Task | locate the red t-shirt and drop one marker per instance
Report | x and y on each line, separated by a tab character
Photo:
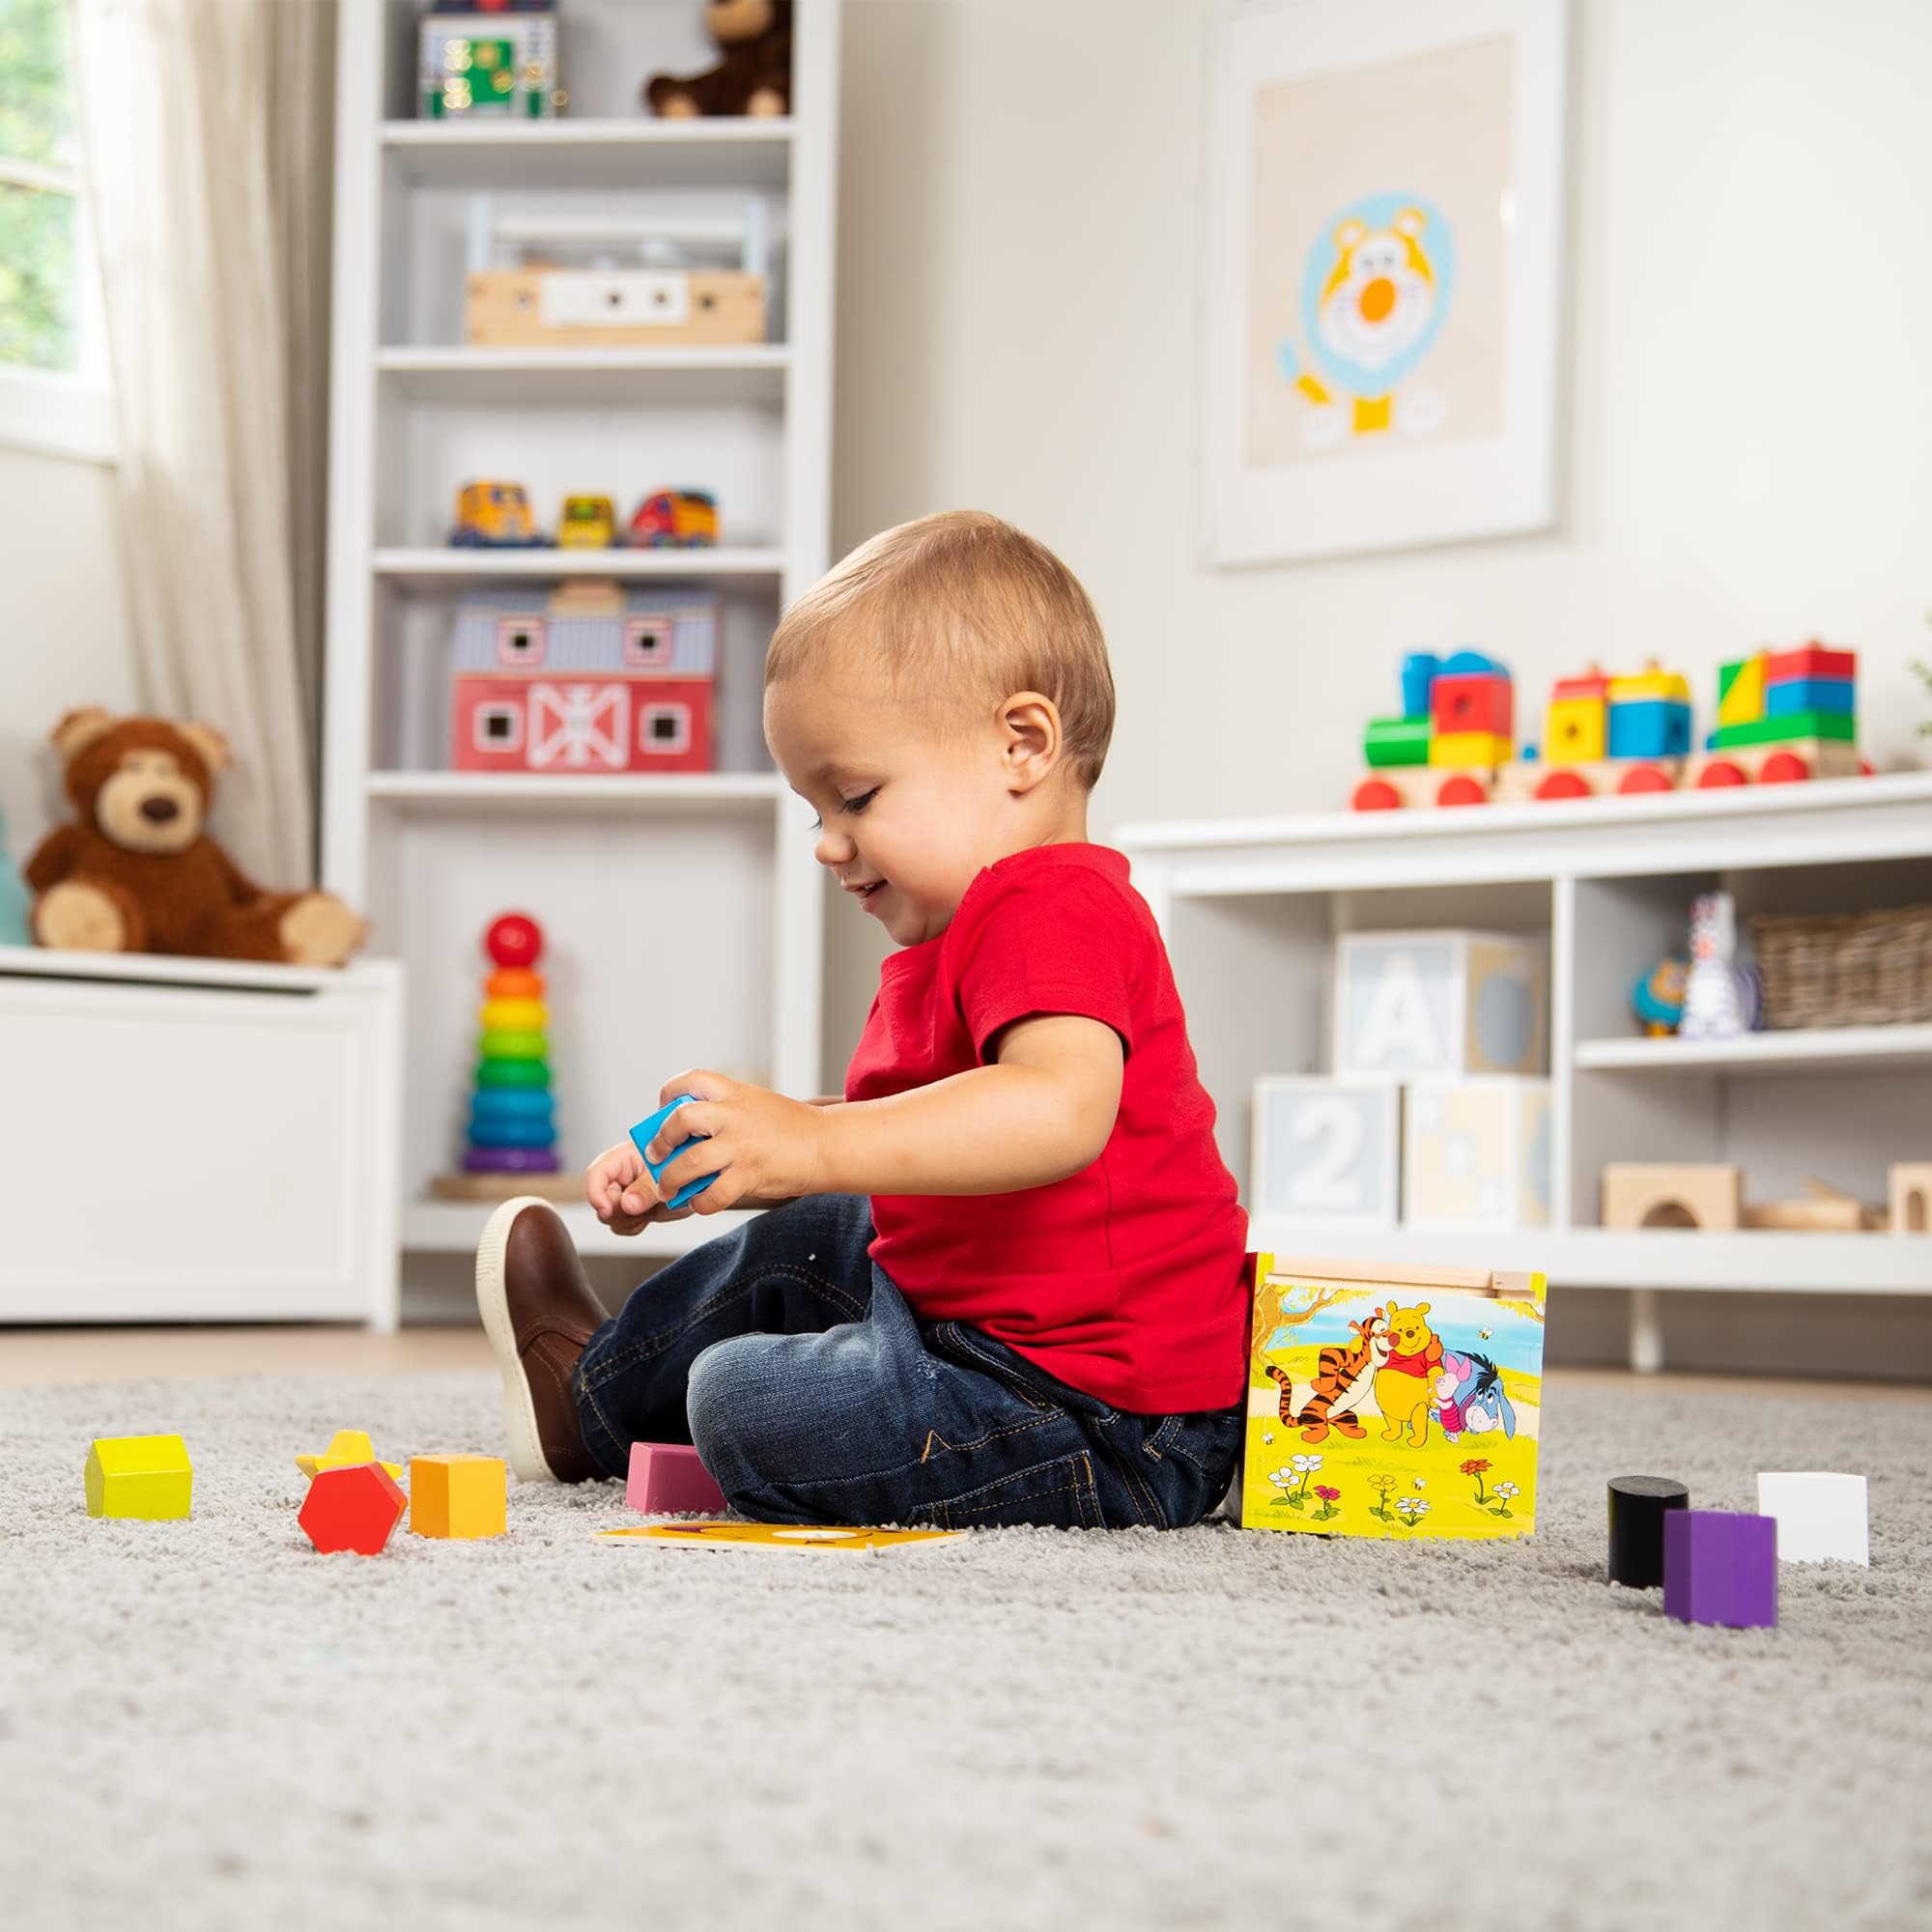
1125	1279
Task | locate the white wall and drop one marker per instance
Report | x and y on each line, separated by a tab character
67	630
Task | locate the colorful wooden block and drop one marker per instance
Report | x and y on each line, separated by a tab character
1327	1150
144	1476
1770	730
1396	741
1650	685
1475	701
1444	1003
667	1479
459	1496
353	1507
1576	731
1820	1516
1484	750
1810	661
347	1448
1476	1153
1720	1568
1649	727
645	1131
1418	674
1673	1194
1909	1192
1638	1508
1741	690
1836	694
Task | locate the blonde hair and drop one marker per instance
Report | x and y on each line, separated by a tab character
963	601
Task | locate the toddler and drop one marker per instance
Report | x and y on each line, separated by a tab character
1001	1281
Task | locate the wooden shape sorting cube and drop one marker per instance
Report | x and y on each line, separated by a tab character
1476	1153
1910	1190
1444	1003
459	1496
1327	1150
353	1507
667	1478
1638	1506
1820	1516
1673	1194
347	1448
144	1476
1720	1569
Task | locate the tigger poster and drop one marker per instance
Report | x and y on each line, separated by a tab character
1393	1402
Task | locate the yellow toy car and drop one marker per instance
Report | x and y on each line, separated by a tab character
587	522
494	516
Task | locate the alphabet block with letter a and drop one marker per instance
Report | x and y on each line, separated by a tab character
1440	1005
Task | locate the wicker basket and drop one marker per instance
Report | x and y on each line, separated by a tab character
1852	968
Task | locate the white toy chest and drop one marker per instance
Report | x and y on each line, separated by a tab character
194	1140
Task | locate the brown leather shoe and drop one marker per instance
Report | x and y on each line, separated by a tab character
538	1311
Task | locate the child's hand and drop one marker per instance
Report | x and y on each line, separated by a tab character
619	1189
759	1145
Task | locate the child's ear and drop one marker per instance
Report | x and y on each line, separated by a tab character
1030	725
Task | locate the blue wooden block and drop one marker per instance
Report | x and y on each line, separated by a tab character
1466	662
1418	676
1650	727
641	1136
1835	695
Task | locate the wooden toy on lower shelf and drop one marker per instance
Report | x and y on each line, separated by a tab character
1909	1191
353	1507
459	1496
347	1449
149	1477
1476	1153
1821	1516
1673	1194
667	1479
1720	1568
1327	1150
1638	1508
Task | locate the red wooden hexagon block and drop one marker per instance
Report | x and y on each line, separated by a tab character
355	1508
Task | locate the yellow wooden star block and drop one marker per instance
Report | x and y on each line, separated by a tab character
459	1495
1471	750
145	1476
348	1449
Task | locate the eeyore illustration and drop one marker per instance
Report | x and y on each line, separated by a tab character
1469	1397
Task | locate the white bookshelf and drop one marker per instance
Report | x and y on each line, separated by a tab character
684	911
1252	908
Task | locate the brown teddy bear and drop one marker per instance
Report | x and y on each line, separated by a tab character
754	76
139	873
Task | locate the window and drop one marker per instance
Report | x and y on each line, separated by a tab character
53	374
663	729
520	640
497	727
647	642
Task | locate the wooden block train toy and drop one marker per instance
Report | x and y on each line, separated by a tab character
1782	717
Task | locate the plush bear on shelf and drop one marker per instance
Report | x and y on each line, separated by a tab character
754	76
139	873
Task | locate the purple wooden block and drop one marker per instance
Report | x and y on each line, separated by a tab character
668	1477
1720	1569
509	1161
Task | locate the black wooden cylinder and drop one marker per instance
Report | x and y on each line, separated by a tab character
1638	1505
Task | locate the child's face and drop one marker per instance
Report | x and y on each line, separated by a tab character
914	796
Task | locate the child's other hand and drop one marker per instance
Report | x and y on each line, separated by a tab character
761	1146
618	1186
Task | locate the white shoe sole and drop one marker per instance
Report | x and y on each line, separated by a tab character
520	1415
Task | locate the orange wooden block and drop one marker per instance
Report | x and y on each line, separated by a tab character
459	1495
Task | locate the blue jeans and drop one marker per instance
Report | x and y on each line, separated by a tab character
813	1394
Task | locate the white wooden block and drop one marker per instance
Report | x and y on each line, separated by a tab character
1821	1518
1445	1004
1476	1153
1326	1152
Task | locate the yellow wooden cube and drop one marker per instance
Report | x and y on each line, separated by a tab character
145	1476
1575	733
459	1495
1485	749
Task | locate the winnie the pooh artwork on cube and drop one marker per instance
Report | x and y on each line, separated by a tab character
1392	1402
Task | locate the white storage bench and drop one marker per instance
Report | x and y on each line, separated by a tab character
191	1140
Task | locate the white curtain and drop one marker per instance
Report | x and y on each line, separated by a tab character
207	131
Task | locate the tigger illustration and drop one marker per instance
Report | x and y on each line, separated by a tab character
1342	1378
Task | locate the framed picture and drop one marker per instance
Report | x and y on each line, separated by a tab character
1384	274
1326	1152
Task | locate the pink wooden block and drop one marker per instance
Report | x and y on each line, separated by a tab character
668	1477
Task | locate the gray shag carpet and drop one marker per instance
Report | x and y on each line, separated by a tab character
203	1724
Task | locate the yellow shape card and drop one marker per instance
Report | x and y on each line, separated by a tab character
807	1539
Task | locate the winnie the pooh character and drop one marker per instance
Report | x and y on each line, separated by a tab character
138	872
1404	1383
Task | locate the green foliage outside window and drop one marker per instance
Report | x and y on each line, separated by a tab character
37	223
